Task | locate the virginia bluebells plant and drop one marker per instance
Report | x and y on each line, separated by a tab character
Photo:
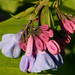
40	39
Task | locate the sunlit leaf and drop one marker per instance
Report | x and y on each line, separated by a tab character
45	16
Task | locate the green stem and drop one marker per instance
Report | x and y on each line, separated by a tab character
26	26
37	4
60	14
40	6
57	3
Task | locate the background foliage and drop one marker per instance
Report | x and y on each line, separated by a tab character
10	66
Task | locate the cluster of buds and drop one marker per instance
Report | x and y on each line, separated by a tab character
67	27
67	22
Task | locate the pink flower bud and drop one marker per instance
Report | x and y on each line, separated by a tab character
44	37
39	44
69	26
49	33
66	26
53	47
44	27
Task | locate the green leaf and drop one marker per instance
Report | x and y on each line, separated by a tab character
45	16
52	21
9	5
68	6
12	25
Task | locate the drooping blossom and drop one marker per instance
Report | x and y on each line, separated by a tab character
46	61
10	45
27	60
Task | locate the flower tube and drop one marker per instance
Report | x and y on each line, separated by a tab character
27	60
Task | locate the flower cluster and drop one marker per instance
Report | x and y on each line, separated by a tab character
67	27
42	44
41	53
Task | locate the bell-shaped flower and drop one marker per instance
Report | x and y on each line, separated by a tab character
53	47
27	60
10	45
58	60
43	62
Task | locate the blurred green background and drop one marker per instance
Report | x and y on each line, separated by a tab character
8	24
